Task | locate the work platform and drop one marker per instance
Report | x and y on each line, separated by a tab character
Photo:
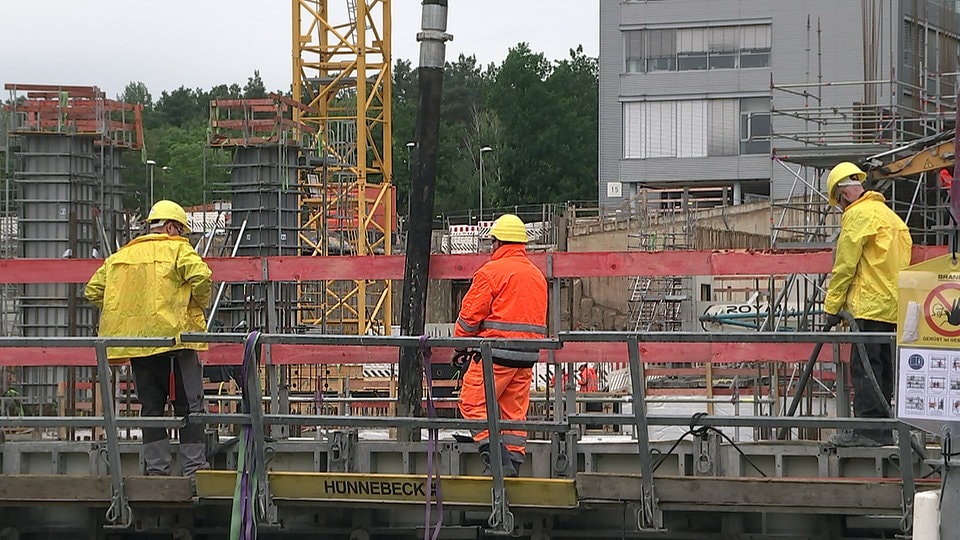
810	491
342	483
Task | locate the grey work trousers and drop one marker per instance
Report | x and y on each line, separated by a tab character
151	376
866	402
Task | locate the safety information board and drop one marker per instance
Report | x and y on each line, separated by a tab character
928	340
929	384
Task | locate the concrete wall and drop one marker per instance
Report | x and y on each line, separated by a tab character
603	301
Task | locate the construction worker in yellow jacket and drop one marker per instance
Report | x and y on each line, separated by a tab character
507	299
873	246
157	285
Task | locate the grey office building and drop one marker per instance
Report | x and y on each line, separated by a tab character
697	93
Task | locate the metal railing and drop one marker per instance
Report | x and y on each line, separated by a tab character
649	516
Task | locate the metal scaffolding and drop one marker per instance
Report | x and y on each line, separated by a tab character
872	121
656	303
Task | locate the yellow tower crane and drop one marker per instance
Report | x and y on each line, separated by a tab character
342	72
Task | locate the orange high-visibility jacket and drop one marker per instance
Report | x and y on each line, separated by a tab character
589	381
507	299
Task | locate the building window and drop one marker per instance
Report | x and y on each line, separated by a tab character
651	50
695	49
696	128
755	125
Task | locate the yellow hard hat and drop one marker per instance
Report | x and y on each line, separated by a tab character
839	173
509	228
169	210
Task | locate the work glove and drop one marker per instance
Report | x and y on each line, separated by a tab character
461	358
833	319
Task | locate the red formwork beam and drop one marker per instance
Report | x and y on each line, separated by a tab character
383	267
81	110
255	121
46	90
565	265
601	353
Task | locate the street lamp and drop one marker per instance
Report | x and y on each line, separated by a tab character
163	182
150	165
482	150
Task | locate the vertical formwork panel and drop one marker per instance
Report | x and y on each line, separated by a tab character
263	183
116	230
263	191
56	181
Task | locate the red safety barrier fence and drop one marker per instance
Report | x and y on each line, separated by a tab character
563	264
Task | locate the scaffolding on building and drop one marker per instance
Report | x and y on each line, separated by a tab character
873	122
657	303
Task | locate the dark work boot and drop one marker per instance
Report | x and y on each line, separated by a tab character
516	459
509	469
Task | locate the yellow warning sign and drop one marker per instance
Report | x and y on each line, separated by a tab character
929	306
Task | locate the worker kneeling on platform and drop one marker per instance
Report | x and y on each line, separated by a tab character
507	299
157	285
873	247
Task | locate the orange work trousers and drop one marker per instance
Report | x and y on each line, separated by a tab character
512	388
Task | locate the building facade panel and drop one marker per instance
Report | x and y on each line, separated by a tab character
695	83
671	172
684	53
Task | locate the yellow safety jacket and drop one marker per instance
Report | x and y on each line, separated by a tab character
155	286
873	246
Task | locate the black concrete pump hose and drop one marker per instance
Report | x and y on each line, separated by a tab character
867	368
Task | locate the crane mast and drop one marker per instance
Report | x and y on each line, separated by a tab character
342	73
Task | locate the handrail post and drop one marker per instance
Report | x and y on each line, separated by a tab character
501	519
259	445
649	515
118	514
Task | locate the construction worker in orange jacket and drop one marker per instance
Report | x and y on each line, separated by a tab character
157	285
507	299
588	380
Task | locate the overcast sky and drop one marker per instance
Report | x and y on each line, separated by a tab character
202	43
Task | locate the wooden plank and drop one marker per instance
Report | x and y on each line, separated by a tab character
170	489
18	488
35	488
840	496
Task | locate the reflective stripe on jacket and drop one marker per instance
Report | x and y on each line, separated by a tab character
507	299
155	286
873	246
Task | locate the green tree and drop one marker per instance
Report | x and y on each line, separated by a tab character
548	118
223	91
574	84
136	92
255	87
181	106
403	114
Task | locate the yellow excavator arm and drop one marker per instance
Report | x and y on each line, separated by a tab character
932	158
